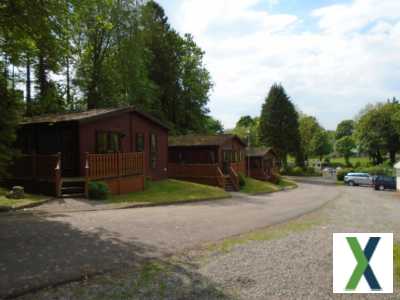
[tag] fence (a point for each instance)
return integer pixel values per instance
(102, 166)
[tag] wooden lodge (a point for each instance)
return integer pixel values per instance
(207, 159)
(61, 153)
(262, 164)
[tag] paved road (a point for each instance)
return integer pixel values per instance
(40, 249)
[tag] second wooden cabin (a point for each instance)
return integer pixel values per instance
(262, 164)
(209, 159)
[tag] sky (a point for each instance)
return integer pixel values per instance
(332, 57)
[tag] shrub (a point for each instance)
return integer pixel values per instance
(98, 190)
(341, 173)
(299, 171)
(242, 181)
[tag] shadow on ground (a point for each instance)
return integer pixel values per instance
(37, 252)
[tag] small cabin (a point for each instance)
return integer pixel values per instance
(209, 159)
(62, 152)
(262, 164)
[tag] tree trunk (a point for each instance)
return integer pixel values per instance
(392, 157)
(28, 88)
(70, 104)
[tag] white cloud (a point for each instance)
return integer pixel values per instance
(351, 58)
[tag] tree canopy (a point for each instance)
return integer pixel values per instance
(279, 124)
(76, 55)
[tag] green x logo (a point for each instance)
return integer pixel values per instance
(363, 267)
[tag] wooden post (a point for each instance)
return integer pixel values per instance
(58, 181)
(86, 174)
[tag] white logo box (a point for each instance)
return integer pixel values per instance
(344, 262)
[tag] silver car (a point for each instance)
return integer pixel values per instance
(358, 179)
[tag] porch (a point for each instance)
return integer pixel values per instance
(210, 174)
(122, 172)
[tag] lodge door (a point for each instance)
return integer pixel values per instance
(69, 153)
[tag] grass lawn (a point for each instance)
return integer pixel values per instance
(15, 203)
(171, 191)
(396, 253)
(254, 186)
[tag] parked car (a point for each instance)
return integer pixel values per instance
(385, 183)
(353, 179)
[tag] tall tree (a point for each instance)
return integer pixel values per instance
(10, 113)
(320, 144)
(376, 131)
(308, 127)
(345, 146)
(279, 125)
(344, 128)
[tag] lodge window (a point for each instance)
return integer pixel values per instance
(153, 150)
(139, 142)
(108, 142)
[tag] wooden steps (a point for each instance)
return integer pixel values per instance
(72, 187)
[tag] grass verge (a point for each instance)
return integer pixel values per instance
(396, 254)
(253, 186)
(171, 191)
(17, 203)
(287, 184)
(270, 233)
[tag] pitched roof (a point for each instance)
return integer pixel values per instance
(87, 116)
(259, 152)
(201, 140)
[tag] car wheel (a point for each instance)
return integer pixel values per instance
(351, 183)
(381, 188)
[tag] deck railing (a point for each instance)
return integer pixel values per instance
(103, 166)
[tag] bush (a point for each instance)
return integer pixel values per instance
(341, 173)
(242, 181)
(98, 190)
(299, 171)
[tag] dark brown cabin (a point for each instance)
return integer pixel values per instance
(209, 159)
(120, 146)
(262, 164)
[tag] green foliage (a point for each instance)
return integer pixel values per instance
(246, 128)
(341, 173)
(308, 127)
(344, 146)
(10, 105)
(98, 190)
(245, 121)
(107, 54)
(242, 180)
(344, 128)
(212, 126)
(377, 132)
(279, 125)
(301, 171)
(396, 259)
(320, 144)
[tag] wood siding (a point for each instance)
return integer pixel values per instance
(128, 125)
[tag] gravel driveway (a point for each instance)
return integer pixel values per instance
(299, 266)
(291, 260)
(41, 249)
